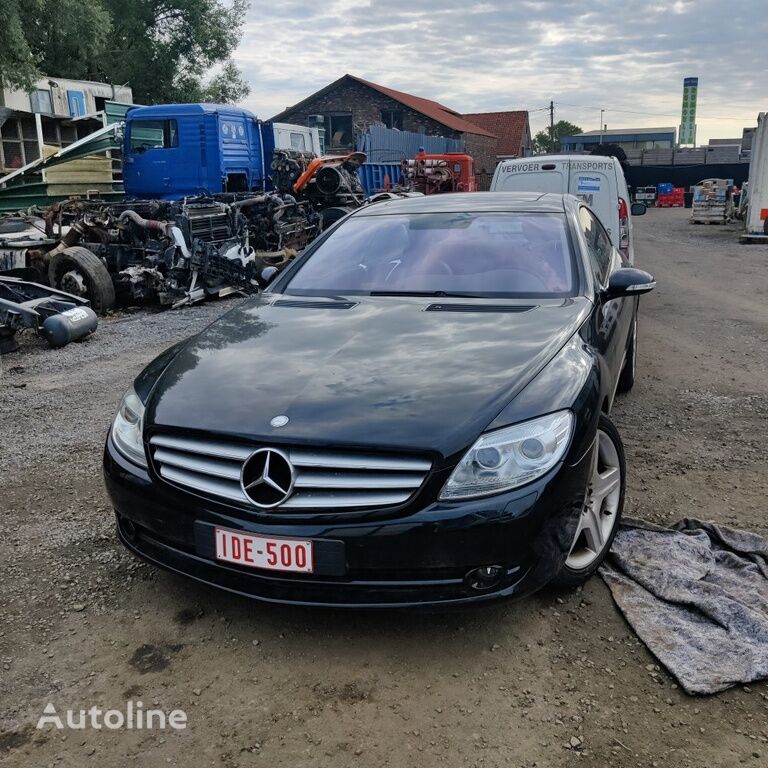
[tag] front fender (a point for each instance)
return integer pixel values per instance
(572, 379)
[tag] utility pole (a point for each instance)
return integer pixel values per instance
(552, 126)
(601, 125)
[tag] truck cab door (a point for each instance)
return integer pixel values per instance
(158, 163)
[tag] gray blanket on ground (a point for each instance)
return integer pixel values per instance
(697, 596)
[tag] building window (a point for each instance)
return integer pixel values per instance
(392, 118)
(338, 131)
(153, 134)
(40, 101)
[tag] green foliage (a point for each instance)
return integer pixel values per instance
(17, 62)
(543, 142)
(67, 36)
(227, 87)
(163, 49)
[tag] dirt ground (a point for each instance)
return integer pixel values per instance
(556, 680)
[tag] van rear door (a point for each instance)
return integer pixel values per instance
(593, 180)
(527, 174)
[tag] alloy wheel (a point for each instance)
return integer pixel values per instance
(599, 515)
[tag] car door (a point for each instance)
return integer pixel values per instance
(613, 318)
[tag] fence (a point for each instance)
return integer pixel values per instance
(386, 145)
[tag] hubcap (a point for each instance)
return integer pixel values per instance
(602, 503)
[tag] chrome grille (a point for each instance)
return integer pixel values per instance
(325, 479)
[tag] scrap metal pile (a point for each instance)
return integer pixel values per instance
(180, 251)
(174, 252)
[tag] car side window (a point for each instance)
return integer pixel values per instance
(598, 244)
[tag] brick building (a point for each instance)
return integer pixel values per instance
(347, 106)
(513, 129)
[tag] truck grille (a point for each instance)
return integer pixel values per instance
(326, 480)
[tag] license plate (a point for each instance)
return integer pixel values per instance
(264, 552)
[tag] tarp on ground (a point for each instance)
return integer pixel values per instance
(697, 595)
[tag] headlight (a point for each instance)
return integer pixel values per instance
(510, 457)
(127, 428)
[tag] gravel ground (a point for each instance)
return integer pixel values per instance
(555, 680)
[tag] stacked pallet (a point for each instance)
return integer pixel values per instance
(712, 202)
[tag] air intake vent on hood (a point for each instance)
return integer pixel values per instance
(297, 303)
(479, 308)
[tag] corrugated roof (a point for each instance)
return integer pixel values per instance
(508, 126)
(432, 109)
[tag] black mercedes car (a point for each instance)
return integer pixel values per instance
(416, 411)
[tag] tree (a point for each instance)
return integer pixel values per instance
(542, 142)
(163, 49)
(17, 62)
(227, 87)
(67, 36)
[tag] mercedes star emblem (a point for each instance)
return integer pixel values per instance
(267, 477)
(279, 421)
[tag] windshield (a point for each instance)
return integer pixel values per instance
(482, 254)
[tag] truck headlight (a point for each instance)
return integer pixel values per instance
(510, 457)
(127, 429)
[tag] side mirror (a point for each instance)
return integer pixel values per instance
(638, 209)
(628, 281)
(268, 275)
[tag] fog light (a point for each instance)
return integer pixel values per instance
(486, 577)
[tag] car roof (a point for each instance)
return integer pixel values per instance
(472, 202)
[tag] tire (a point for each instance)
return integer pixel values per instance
(79, 265)
(629, 371)
(585, 557)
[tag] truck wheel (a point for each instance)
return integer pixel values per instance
(78, 271)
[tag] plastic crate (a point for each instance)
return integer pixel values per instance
(675, 199)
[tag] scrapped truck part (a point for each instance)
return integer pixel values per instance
(436, 174)
(57, 316)
(169, 251)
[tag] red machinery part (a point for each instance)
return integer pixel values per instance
(439, 173)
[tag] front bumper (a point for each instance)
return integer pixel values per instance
(423, 556)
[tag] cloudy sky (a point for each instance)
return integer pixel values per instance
(628, 58)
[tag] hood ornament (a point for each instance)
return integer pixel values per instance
(279, 421)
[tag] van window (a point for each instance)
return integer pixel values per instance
(598, 244)
(154, 134)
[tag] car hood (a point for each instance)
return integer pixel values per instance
(396, 372)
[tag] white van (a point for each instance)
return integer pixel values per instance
(598, 181)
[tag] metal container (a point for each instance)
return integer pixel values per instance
(71, 325)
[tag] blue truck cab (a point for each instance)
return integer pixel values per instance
(175, 150)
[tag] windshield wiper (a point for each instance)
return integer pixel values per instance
(441, 294)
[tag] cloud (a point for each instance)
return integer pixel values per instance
(629, 59)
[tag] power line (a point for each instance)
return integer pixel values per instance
(649, 114)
